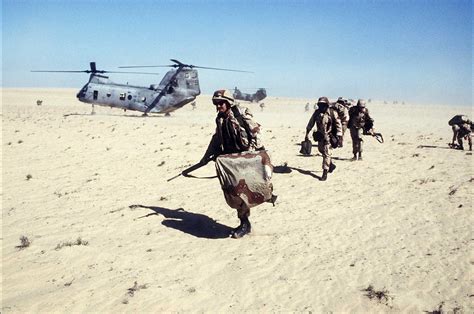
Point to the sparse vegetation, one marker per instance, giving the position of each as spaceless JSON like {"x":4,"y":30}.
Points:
{"x":131,"y":291}
{"x":382,"y":296}
{"x":29,"y":177}
{"x":24,"y":243}
{"x":78,"y":241}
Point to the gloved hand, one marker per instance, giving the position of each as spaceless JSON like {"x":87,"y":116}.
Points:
{"x":339,"y":141}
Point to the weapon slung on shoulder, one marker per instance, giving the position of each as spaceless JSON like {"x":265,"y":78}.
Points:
{"x":187,"y":171}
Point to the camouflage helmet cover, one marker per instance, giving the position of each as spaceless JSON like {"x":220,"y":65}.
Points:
{"x":323,"y":100}
{"x":341,"y":100}
{"x":223,"y":95}
{"x":361,"y":103}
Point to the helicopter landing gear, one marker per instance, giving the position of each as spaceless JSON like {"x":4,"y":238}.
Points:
{"x":93,"y":111}
{"x":167,"y":114}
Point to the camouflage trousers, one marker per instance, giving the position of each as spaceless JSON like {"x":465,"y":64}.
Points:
{"x":325,"y":151}
{"x":357,"y":141}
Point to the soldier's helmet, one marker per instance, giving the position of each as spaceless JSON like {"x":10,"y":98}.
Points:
{"x":341,"y":100}
{"x":323,"y":101}
{"x":223,"y":95}
{"x":361,"y":103}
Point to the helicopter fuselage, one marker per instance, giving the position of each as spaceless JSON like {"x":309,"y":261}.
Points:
{"x":174,"y":91}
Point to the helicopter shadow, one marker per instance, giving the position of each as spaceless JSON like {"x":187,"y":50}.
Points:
{"x":198,"y":225}
{"x":114,"y":115}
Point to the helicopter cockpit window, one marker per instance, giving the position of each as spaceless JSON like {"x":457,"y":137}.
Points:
{"x":129,"y":97}
{"x":122,"y":96}
{"x":109,"y":94}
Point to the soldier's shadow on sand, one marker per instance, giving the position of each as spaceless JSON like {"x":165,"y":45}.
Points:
{"x":198,"y":225}
{"x":287,"y":169}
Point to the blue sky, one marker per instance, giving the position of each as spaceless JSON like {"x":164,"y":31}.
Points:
{"x":412,"y":51}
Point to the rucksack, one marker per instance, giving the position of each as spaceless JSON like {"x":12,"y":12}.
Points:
{"x":459,"y":120}
{"x":250,"y":137}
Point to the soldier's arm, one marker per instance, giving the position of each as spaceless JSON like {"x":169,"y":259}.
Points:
{"x":368,"y":115}
{"x":311,"y":123}
{"x":337,"y":122}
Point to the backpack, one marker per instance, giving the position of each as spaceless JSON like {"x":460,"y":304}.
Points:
{"x":249,"y":136}
{"x":459,"y":120}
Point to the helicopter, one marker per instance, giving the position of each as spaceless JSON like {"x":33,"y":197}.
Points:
{"x":177,"y":88}
{"x":259,"y":95}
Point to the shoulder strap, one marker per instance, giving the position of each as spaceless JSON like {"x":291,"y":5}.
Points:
{"x":242,"y":122}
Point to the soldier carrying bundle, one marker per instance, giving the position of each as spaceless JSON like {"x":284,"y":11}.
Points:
{"x":243,"y":166}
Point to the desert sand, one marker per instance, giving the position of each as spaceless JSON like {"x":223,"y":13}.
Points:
{"x":108,"y":233}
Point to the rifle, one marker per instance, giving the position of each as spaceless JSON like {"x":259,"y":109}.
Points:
{"x":187,"y":171}
{"x":378,"y":136}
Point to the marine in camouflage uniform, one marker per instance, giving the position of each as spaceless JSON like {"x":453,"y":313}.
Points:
{"x":343,"y":113}
{"x":359,"y":117}
{"x":326,"y":121}
{"x":232,"y":136}
{"x":462,"y":127}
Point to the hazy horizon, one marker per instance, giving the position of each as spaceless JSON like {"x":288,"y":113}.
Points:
{"x":411,"y":51}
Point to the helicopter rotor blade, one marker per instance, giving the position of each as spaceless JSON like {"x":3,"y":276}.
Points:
{"x":149,"y":73}
{"x":219,"y":69}
{"x":148,"y":66}
{"x":183,"y":65}
{"x":86,"y":71}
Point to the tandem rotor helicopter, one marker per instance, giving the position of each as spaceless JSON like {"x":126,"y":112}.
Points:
{"x":177,"y":88}
{"x":259,"y":95}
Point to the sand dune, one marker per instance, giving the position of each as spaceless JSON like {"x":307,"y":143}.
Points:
{"x":108,"y":233}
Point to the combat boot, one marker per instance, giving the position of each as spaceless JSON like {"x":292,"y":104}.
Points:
{"x":332,"y":167}
{"x":244,"y":228}
{"x":325,"y":175}
{"x":354,"y":158}
{"x":360,"y":156}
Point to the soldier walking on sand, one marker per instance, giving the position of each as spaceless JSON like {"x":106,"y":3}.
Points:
{"x":462,"y":127}
{"x":328,"y":133}
{"x":237,"y":132}
{"x":342,"y":112}
{"x":359,"y":119}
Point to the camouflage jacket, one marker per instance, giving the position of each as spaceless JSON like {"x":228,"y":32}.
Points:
{"x":235,"y":132}
{"x":358,"y":117}
{"x":342,"y":112}
{"x":326,"y":123}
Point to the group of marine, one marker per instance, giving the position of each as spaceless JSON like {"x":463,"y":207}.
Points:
{"x":243,"y":165}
